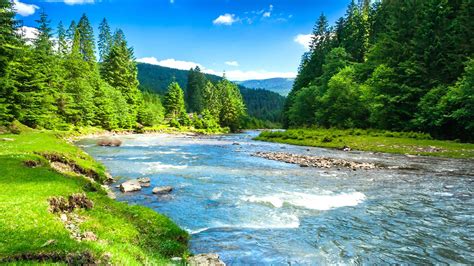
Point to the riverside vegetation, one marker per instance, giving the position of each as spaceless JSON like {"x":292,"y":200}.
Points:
{"x":391,"y":65}
{"x":112,"y":232}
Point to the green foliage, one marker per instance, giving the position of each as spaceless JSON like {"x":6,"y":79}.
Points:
{"x":174,"y":105}
{"x":407,"y":57}
{"x":262,"y":104}
{"x":232,"y":105}
{"x":51,"y":88}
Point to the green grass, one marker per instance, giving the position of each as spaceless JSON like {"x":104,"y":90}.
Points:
{"x":131,"y":235}
{"x":372,"y":140}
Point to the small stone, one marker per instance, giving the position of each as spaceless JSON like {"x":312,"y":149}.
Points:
{"x":7,"y":139}
{"x":144,"y":180}
{"x":235,"y":143}
{"x":176,"y":259}
{"x":162,"y":190}
{"x":89,"y":236}
{"x":63,"y":217}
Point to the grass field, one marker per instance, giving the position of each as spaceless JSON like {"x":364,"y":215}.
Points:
{"x":371,"y":140}
{"x":126,"y":235}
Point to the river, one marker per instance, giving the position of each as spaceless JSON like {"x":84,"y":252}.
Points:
{"x":252,"y":210}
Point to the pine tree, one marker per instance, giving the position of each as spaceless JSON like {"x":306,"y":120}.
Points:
{"x":105,"y":39}
{"x":174,"y":105}
{"x":62,"y":42}
{"x":87,"y":44}
{"x":120,"y":71}
{"x":194,"y":93}
{"x":43,"y":43}
{"x":10,"y":44}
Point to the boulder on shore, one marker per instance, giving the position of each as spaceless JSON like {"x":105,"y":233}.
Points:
{"x":130,"y":186}
{"x":205,"y":259}
{"x":162,"y":190}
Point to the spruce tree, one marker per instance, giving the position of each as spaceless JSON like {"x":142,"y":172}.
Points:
{"x":87,"y":44}
{"x":105,"y":40}
{"x":62,"y":42}
{"x":120,"y":71}
{"x":174,"y":105}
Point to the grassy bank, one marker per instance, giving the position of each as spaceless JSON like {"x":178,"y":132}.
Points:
{"x":372,"y":140}
{"x":29,"y":231}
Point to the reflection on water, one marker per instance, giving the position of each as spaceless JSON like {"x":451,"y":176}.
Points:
{"x":253,"y":210}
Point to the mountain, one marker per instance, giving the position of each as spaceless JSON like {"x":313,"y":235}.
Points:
{"x":281,"y":86}
{"x":262,"y":104}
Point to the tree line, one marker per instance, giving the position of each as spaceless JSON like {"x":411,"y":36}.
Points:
{"x":212,"y":104}
{"x":395,"y":65}
{"x":55,"y":81}
{"x":263,"y":107}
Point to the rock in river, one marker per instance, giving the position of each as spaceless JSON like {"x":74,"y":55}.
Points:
{"x":130,"y":185}
{"x":144,"y":180}
{"x":162,"y":190}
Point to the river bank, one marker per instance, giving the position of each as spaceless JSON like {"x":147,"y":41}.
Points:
{"x":408,"y":143}
{"x":65,"y":215}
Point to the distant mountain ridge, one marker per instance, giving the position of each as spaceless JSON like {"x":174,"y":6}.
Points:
{"x":281,"y":86}
{"x":262,"y":104}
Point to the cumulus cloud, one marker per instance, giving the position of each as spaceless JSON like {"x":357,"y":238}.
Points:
{"x":226,"y":19}
{"x":24,"y":9}
{"x":267,"y":14}
{"x":78,"y":2}
{"x":235,"y":75}
{"x":29,"y":34}
{"x":303,"y":39}
{"x":172,"y":63}
{"x":232,"y":63}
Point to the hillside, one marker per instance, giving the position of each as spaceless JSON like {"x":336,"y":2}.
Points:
{"x":262,"y":104}
{"x":281,"y":86}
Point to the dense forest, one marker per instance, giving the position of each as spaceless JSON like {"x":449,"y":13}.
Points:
{"x":394,"y":65}
{"x":55,"y":81}
{"x":261,"y":105}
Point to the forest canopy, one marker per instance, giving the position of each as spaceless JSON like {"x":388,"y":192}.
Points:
{"x":393,"y":65}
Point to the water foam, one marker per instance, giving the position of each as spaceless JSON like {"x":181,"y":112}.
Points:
{"x":157,"y":166}
{"x":310,"y":201}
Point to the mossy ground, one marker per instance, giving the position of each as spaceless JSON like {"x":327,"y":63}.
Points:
{"x":128,"y":234}
{"x":372,"y":140}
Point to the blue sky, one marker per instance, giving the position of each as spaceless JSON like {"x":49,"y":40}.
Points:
{"x":248,"y":39}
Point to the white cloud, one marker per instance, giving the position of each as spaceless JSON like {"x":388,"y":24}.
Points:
{"x":78,"y":2}
{"x":226,"y":19}
{"x":303,"y":39}
{"x":232,"y":63}
{"x":234,"y":75}
{"x":29,"y":34}
{"x":267,"y":14}
{"x":172,"y":63}
{"x":24,"y":9}
{"x":73,"y":2}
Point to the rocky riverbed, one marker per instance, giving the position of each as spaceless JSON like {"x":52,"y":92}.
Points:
{"x":315,"y":161}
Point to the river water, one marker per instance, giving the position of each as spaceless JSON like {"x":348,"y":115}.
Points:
{"x":252,"y":210}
